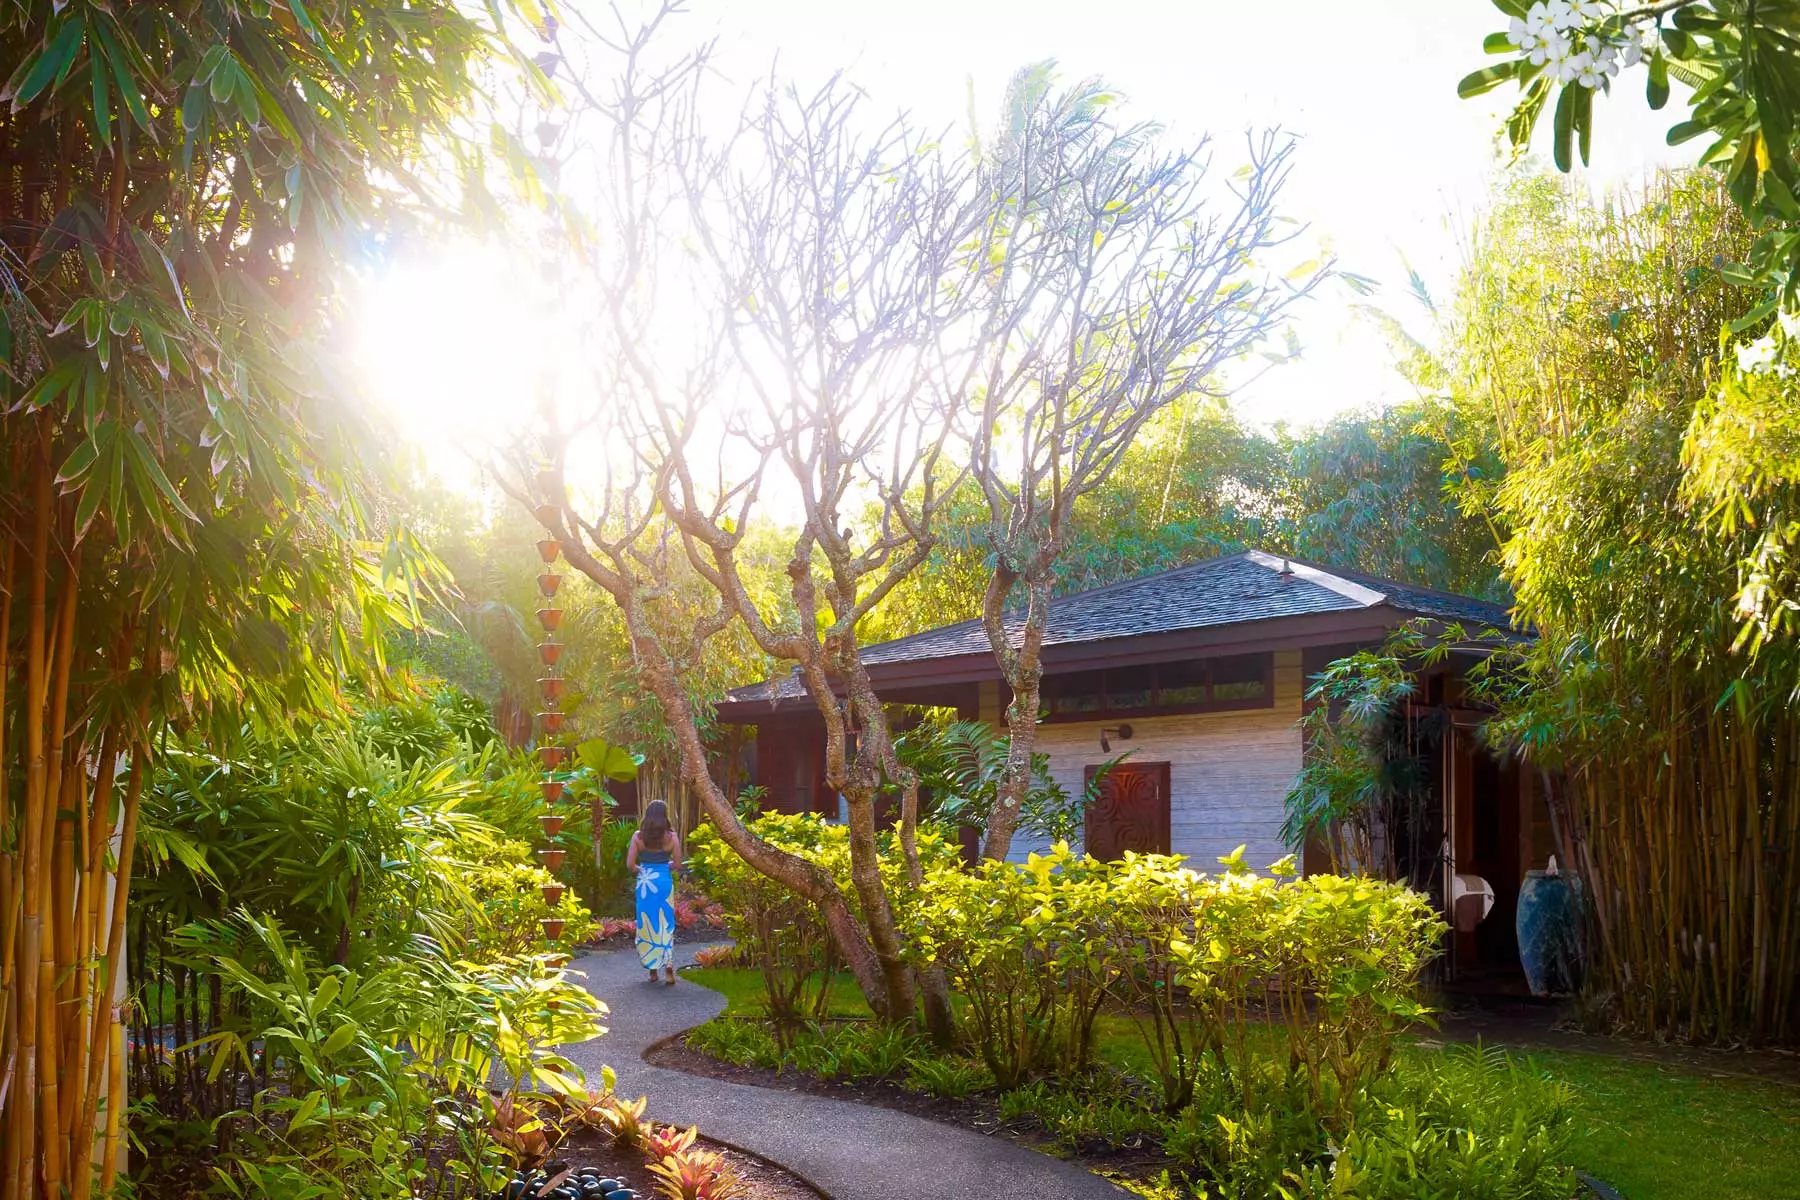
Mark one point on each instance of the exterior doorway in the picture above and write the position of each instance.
(1131, 811)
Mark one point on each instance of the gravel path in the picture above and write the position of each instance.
(848, 1151)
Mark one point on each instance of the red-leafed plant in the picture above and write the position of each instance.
(668, 1141)
(698, 1175)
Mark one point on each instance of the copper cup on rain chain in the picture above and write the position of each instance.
(553, 927)
(548, 582)
(547, 514)
(553, 790)
(552, 825)
(549, 618)
(553, 688)
(553, 756)
(550, 652)
(556, 961)
(553, 893)
(550, 722)
(548, 549)
(552, 859)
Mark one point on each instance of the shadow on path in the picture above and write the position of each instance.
(848, 1151)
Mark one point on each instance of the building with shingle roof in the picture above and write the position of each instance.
(1197, 676)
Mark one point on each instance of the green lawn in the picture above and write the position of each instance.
(1654, 1132)
(743, 992)
(1667, 1133)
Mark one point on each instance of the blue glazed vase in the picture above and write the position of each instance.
(1549, 931)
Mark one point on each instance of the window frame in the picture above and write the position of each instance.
(1105, 712)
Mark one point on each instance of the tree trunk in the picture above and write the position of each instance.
(1023, 669)
(806, 878)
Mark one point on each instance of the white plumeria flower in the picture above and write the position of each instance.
(1524, 37)
(1591, 65)
(1632, 52)
(1756, 356)
(1566, 62)
(1790, 322)
(1585, 12)
(1561, 14)
(1533, 30)
(1552, 49)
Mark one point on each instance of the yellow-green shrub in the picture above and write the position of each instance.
(1020, 945)
(782, 933)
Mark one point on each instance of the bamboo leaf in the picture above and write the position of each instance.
(129, 95)
(102, 109)
(51, 62)
(144, 459)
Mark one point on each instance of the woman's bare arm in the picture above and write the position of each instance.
(631, 853)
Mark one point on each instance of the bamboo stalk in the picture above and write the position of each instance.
(9, 914)
(52, 1132)
(22, 1108)
(90, 1050)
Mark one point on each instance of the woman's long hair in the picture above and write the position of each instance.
(653, 831)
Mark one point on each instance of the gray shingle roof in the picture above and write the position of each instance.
(1236, 589)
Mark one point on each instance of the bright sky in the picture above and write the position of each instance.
(1390, 167)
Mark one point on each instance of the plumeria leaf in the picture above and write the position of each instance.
(1656, 91)
(1488, 78)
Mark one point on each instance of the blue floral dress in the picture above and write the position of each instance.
(655, 909)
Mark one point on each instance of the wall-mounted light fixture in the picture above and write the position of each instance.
(1122, 732)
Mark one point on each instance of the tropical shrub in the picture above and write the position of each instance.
(776, 929)
(359, 1073)
(350, 1043)
(1192, 948)
(510, 906)
(1036, 951)
(856, 1050)
(948, 1078)
(1344, 958)
(783, 934)
(1468, 1122)
(1026, 948)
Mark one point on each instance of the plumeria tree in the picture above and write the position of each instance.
(1120, 283)
(835, 322)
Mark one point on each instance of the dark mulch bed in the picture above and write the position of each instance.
(591, 1148)
(980, 1112)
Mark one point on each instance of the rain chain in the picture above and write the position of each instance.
(551, 753)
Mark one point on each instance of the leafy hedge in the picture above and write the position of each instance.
(1266, 1009)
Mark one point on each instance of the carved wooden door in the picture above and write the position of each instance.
(1131, 811)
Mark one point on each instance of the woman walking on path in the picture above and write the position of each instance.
(656, 853)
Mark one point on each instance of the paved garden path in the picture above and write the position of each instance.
(848, 1151)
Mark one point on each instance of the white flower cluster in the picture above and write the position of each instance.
(1554, 34)
(1763, 356)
